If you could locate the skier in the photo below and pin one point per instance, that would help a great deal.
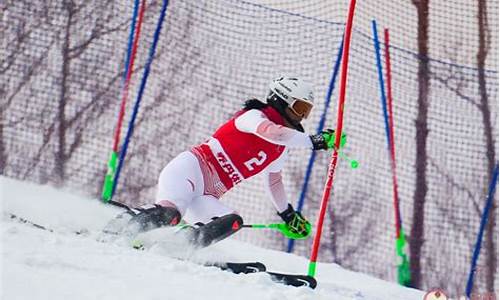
(254, 141)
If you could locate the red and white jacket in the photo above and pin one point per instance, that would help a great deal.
(252, 142)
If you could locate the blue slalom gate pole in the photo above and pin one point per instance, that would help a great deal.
(107, 188)
(130, 39)
(383, 98)
(142, 87)
(403, 267)
(484, 221)
(321, 125)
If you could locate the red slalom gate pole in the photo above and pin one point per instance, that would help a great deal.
(391, 133)
(338, 131)
(107, 190)
(128, 77)
(404, 274)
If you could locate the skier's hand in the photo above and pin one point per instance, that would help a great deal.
(326, 140)
(296, 223)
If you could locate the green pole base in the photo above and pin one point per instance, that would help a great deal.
(404, 273)
(312, 269)
(109, 180)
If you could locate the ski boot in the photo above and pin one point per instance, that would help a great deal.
(203, 235)
(144, 218)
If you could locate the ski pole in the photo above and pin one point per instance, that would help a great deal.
(343, 139)
(281, 227)
(354, 163)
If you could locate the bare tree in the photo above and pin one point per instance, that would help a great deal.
(458, 82)
(71, 51)
(422, 131)
(135, 185)
(484, 107)
(16, 33)
(347, 251)
(56, 52)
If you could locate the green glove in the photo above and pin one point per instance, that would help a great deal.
(329, 136)
(326, 140)
(296, 223)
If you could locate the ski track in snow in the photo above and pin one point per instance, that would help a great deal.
(39, 264)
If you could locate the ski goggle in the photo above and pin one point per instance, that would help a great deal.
(301, 108)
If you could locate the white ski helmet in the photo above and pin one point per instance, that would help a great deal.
(297, 94)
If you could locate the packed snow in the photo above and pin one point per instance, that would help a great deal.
(59, 264)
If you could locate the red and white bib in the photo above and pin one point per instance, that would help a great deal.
(233, 155)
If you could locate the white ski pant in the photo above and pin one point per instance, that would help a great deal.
(181, 183)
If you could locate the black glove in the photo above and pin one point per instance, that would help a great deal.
(326, 140)
(295, 221)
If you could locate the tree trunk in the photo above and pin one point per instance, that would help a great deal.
(60, 154)
(333, 239)
(484, 45)
(417, 231)
(3, 152)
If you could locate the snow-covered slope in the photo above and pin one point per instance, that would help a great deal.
(39, 264)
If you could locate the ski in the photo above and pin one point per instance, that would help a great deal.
(255, 267)
(24, 221)
(21, 220)
(239, 268)
(293, 279)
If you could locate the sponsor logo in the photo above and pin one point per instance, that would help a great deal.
(228, 168)
(439, 294)
(435, 294)
(285, 87)
(280, 93)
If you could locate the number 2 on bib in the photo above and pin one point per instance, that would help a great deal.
(256, 161)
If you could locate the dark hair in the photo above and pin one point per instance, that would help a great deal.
(277, 103)
(280, 105)
(254, 104)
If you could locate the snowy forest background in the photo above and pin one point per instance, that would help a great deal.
(61, 68)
